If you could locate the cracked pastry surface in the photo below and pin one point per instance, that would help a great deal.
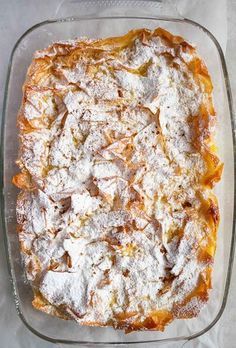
(116, 218)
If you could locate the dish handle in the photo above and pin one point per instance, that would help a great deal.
(110, 8)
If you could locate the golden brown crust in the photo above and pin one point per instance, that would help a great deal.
(42, 78)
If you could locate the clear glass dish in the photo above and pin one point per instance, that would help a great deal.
(111, 19)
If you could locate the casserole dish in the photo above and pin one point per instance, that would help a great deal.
(116, 18)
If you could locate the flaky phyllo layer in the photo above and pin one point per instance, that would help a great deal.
(116, 218)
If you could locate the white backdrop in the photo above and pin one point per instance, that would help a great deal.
(16, 16)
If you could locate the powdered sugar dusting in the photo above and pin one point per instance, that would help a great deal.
(108, 231)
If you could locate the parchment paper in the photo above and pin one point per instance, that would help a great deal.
(15, 17)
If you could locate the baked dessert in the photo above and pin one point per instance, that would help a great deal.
(116, 217)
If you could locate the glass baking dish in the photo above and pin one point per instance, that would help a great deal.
(111, 18)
